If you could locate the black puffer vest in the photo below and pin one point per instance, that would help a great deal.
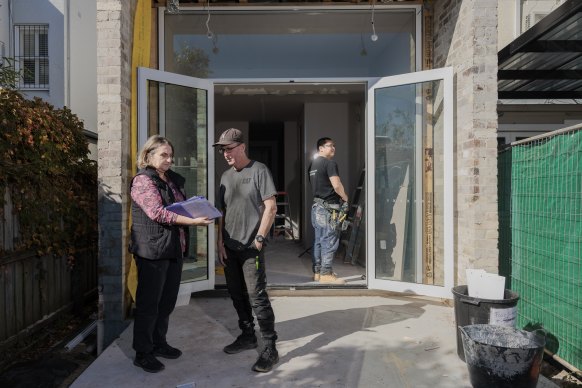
(152, 240)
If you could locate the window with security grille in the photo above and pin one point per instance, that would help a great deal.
(32, 56)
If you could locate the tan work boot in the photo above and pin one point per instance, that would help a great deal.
(316, 277)
(331, 279)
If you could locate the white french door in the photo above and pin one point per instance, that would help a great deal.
(409, 167)
(181, 109)
(409, 200)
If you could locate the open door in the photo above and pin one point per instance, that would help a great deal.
(182, 109)
(409, 188)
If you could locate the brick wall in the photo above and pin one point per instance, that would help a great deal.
(465, 37)
(114, 29)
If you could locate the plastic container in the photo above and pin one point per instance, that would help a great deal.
(502, 356)
(471, 311)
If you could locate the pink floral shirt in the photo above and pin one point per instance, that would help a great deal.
(146, 195)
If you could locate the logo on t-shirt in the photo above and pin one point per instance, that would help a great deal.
(246, 181)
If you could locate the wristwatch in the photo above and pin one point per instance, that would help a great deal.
(260, 238)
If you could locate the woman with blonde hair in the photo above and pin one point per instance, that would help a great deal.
(159, 240)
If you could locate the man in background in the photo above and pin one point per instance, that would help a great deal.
(328, 195)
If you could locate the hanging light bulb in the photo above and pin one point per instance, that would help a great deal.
(373, 37)
(209, 34)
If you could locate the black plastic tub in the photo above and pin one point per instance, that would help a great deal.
(502, 356)
(470, 311)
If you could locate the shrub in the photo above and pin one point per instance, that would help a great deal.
(52, 182)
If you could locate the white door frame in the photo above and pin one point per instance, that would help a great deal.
(143, 76)
(446, 75)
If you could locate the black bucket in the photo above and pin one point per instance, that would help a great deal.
(470, 311)
(502, 356)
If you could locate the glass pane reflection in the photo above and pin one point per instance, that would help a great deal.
(275, 44)
(180, 113)
(408, 229)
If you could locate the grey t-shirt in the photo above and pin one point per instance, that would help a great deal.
(240, 197)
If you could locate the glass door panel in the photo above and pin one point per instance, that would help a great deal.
(410, 152)
(178, 107)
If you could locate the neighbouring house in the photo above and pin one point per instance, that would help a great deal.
(53, 43)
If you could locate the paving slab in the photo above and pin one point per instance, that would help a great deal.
(324, 341)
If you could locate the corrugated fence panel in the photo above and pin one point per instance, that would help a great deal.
(546, 236)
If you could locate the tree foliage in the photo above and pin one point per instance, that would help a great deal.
(51, 181)
(8, 75)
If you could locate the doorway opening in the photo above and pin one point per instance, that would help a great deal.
(282, 122)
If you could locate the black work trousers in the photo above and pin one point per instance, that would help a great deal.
(158, 282)
(246, 282)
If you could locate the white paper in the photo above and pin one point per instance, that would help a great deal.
(484, 285)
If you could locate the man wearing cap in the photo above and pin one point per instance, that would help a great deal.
(246, 197)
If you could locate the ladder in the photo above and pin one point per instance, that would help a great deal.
(286, 226)
(353, 237)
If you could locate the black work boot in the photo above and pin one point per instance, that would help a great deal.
(247, 340)
(148, 362)
(268, 358)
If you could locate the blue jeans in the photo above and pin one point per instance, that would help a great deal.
(326, 240)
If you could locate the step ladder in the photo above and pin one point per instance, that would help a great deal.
(283, 213)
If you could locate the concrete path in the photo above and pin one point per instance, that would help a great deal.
(324, 341)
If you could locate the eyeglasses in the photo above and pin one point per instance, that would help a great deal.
(222, 150)
(329, 145)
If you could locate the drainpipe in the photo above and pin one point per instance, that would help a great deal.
(10, 32)
(100, 323)
(67, 46)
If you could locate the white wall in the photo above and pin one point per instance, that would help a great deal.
(82, 79)
(4, 28)
(507, 28)
(324, 120)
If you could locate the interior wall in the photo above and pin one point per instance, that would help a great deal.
(325, 120)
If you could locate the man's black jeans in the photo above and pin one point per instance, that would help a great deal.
(246, 282)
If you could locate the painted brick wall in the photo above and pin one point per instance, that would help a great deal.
(466, 39)
(114, 29)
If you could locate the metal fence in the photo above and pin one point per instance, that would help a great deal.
(540, 244)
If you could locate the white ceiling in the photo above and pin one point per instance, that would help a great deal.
(277, 102)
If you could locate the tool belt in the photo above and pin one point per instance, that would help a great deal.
(326, 204)
(338, 217)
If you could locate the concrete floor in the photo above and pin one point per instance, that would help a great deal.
(327, 338)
